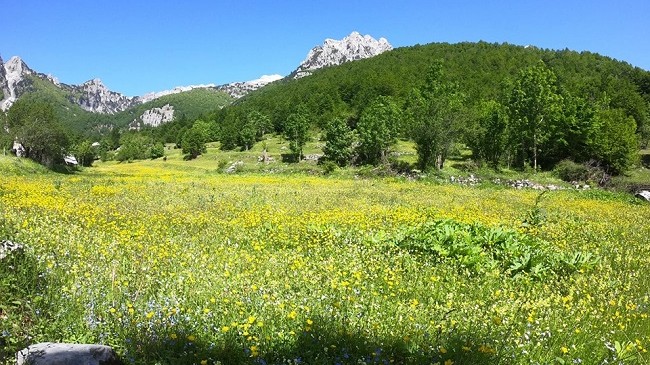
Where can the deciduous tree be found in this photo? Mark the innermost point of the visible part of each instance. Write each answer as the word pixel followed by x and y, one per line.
pixel 534 106
pixel 378 129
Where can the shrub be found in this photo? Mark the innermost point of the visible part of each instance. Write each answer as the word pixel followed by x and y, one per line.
pixel 568 170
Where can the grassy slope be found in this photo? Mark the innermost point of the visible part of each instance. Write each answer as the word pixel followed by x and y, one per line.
pixel 191 103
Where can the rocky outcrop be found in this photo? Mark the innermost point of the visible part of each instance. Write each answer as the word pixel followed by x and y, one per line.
pixel 154 117
pixel 48 353
pixel 93 96
pixel 334 52
pixel 13 81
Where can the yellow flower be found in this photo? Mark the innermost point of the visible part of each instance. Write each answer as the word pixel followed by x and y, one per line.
pixel 225 329
pixel 254 351
pixel 191 338
pixel 150 315
pixel 310 322
pixel 292 315
pixel 449 362
pixel 251 319
pixel 564 350
pixel 112 310
pixel 443 350
pixel 204 362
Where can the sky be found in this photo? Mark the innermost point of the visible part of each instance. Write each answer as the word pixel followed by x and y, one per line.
pixel 136 47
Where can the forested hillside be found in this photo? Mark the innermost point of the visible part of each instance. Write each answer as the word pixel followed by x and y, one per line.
pixel 482 71
pixel 589 99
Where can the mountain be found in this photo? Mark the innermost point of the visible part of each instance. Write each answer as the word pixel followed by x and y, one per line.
pixel 239 89
pixel 335 52
pixel 234 89
pixel 94 97
pixel 92 103
pixel 481 70
pixel 13 81
pixel 17 79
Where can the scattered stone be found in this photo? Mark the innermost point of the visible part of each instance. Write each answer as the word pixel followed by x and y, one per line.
pixel 470 180
pixel 233 168
pixel 313 157
pixel 643 194
pixel 49 353
pixel 10 248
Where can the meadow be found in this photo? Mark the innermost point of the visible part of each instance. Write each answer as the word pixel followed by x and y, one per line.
pixel 174 262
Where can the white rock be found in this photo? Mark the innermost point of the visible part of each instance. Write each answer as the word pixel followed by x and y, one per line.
pixel 643 194
pixel 48 353
pixel 333 52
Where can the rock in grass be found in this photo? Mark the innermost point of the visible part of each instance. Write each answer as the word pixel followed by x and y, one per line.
pixel 643 194
pixel 48 353
pixel 10 248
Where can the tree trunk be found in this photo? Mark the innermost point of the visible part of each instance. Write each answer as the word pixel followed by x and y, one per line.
pixel 535 152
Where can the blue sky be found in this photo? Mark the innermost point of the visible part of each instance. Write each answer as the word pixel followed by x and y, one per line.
pixel 137 47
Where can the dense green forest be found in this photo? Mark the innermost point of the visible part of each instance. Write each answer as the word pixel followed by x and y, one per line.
pixel 589 104
pixel 512 106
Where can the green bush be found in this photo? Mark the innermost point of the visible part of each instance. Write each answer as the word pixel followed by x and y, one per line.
pixel 568 170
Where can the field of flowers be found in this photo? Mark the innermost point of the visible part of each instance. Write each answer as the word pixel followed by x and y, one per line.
pixel 172 266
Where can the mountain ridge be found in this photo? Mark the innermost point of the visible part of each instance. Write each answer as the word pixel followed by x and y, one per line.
pixel 93 96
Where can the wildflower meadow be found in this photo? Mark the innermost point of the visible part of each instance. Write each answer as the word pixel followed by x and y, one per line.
pixel 174 265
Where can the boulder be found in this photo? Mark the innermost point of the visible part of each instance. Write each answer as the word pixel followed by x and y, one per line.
pixel 48 353
pixel 643 194
pixel 10 248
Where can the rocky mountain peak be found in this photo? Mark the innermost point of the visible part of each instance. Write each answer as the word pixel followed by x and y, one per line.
pixel 94 96
pixel 12 80
pixel 335 52
pixel 17 66
pixel 96 83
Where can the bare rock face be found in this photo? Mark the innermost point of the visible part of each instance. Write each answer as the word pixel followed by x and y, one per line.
pixel 154 117
pixel 13 81
pixel 93 96
pixel 48 353
pixel 334 52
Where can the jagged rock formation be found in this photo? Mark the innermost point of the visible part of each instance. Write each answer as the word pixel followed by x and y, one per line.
pixel 154 117
pixel 13 81
pixel 333 52
pixel 93 96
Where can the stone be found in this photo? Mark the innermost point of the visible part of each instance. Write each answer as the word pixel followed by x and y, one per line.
pixel 49 353
pixel 10 248
pixel 234 167
pixel 643 194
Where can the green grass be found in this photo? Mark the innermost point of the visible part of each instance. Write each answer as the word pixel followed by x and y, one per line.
pixel 176 262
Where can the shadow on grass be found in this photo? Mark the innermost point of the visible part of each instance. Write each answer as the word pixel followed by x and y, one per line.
pixel 325 342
